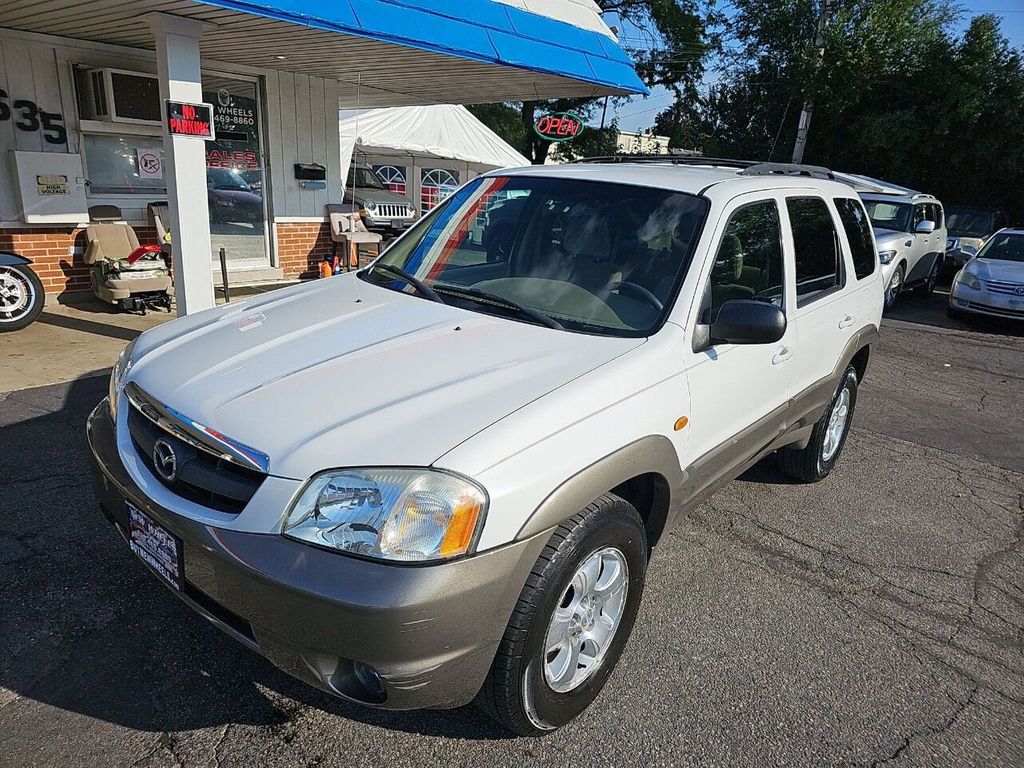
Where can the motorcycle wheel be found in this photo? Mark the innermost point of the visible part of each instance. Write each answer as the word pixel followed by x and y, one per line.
pixel 21 297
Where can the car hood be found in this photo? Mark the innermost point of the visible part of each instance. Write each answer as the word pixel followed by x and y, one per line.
pixel 365 195
pixel 340 373
pixel 997 269
pixel 889 239
pixel 237 196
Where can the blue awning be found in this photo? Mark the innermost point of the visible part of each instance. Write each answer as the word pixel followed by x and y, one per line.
pixel 476 30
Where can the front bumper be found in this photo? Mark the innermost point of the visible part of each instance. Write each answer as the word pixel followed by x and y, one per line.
pixel 431 631
pixel 390 226
pixel 984 302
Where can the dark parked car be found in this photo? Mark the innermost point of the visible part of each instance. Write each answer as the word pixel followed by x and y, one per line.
pixel 231 198
pixel 967 230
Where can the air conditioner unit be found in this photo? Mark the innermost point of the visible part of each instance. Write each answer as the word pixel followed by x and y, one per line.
pixel 120 96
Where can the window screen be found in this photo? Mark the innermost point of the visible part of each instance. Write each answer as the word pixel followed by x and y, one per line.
pixel 748 264
pixel 819 263
pixel 858 232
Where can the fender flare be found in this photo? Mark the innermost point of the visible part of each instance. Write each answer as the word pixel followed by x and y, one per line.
pixel 654 454
pixel 8 259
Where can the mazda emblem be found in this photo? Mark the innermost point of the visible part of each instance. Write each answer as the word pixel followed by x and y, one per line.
pixel 164 460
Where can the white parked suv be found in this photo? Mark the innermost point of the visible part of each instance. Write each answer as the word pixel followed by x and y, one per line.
pixel 910 232
pixel 441 478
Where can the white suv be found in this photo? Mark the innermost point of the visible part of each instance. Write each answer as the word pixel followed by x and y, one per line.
pixel 441 478
pixel 910 232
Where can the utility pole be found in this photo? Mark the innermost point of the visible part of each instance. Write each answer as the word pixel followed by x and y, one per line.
pixel 804 126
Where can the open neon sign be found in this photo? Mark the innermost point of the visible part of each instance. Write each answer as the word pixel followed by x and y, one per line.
pixel 560 126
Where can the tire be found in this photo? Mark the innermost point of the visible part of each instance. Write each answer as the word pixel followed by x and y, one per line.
pixel 927 288
pixel 22 293
pixel 517 691
pixel 815 462
pixel 955 314
pixel 892 291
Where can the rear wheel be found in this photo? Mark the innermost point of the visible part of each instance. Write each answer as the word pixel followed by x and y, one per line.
pixel 927 288
pixel 571 622
pixel 21 297
pixel 815 462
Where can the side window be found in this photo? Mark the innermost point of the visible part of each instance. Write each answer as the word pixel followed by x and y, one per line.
pixel 748 264
pixel 819 262
pixel 936 215
pixel 858 232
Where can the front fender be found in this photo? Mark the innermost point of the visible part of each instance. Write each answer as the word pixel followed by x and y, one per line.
pixel 8 259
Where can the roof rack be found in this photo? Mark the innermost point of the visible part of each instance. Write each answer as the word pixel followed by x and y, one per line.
pixel 746 167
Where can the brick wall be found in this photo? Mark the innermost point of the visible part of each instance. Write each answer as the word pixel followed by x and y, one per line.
pixel 56 254
pixel 301 246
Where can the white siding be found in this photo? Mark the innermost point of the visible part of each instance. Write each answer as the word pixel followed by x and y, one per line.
pixel 299 119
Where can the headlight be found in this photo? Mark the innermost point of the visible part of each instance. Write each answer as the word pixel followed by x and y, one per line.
pixel 389 514
pixel 966 278
pixel 370 205
pixel 117 376
pixel 951 244
pixel 886 256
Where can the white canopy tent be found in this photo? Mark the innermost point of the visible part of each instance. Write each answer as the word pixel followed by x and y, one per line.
pixel 419 149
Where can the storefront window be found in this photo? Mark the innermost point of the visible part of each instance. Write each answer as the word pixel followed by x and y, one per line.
pixel 235 172
pixel 124 165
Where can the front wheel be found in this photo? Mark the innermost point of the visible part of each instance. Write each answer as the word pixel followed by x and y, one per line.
pixel 572 620
pixel 893 289
pixel 814 462
pixel 21 297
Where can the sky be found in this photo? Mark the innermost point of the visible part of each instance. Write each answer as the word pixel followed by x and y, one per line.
pixel 639 113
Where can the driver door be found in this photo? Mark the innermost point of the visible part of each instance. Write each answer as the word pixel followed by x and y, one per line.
pixel 739 392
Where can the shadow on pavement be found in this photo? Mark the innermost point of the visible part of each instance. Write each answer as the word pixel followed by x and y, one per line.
pixel 88 326
pixel 86 628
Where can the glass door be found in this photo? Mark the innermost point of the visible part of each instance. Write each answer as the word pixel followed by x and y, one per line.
pixel 235 173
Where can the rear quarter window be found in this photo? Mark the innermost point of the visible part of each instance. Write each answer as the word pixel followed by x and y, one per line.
pixel 858 233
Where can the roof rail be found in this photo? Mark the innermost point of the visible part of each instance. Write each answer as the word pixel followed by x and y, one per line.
pixel 746 167
pixel 788 169
pixel 668 160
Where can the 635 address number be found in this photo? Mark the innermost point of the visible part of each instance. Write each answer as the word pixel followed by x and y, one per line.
pixel 29 117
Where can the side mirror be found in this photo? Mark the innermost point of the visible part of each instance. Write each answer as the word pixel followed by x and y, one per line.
pixel 925 227
pixel 744 321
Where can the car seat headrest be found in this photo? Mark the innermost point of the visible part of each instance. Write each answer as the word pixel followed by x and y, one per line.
pixel 586 234
pixel 104 213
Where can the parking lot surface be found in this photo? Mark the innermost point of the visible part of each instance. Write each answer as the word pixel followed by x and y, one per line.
pixel 875 618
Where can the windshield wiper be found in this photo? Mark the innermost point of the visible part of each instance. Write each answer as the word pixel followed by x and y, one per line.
pixel 501 301
pixel 421 288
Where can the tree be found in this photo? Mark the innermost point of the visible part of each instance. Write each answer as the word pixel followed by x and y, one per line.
pixel 668 50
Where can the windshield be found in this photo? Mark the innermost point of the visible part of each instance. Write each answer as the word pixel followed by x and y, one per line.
pixel 962 223
pixel 223 179
pixel 587 256
pixel 363 178
pixel 1005 246
pixel 885 214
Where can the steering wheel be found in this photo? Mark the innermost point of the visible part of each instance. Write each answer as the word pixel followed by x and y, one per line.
pixel 641 293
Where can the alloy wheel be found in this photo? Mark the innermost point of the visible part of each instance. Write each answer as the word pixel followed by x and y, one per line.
pixel 585 620
pixel 836 425
pixel 17 295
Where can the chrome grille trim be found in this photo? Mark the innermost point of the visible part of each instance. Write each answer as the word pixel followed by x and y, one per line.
pixel 195 434
pixel 1005 286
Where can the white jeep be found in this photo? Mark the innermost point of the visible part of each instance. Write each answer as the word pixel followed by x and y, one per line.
pixel 441 478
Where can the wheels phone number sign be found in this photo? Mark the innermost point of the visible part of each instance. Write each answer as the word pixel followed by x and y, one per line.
pixel 192 120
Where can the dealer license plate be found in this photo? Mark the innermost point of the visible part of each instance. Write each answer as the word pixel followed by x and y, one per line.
pixel 155 545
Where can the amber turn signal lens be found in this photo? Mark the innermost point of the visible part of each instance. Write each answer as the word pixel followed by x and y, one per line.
pixel 681 422
pixel 460 530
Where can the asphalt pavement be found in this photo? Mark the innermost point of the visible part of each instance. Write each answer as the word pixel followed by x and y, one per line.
pixel 875 618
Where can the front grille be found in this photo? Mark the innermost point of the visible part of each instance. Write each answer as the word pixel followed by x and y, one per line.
pixel 1005 311
pixel 1005 286
pixel 391 211
pixel 201 477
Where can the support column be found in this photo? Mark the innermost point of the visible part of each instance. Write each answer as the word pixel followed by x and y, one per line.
pixel 177 56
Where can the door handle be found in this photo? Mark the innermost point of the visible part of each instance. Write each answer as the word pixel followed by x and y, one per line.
pixel 846 322
pixel 782 356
